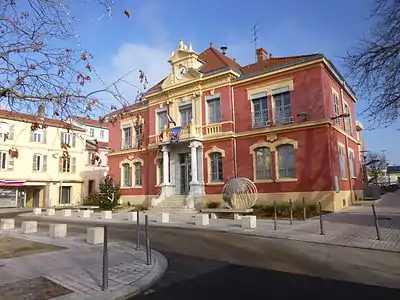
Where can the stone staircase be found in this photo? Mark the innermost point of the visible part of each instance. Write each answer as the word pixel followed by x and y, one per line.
pixel 175 203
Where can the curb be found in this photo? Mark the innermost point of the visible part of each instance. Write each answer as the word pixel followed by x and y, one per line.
pixel 183 227
pixel 160 265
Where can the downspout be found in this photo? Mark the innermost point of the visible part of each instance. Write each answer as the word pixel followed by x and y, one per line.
pixel 234 133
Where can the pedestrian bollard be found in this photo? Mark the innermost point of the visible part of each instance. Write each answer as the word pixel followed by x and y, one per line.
pixel 275 217
pixel 105 261
pixel 148 250
pixel 321 224
pixel 304 210
pixel 291 211
pixel 378 234
pixel 137 231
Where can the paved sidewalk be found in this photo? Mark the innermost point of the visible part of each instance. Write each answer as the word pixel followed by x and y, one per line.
pixel 79 267
pixel 353 227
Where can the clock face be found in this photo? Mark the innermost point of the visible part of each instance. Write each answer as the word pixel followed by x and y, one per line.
pixel 181 72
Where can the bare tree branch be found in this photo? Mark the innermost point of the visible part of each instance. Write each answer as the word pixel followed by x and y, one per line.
pixel 374 64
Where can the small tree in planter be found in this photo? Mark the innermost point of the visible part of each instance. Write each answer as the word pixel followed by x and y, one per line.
pixel 107 197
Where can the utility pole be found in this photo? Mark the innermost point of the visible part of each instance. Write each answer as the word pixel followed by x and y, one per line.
pixel 255 31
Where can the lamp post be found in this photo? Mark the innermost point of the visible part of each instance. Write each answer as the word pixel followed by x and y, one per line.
pixel 342 116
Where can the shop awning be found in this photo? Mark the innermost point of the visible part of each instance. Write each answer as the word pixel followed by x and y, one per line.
pixel 11 183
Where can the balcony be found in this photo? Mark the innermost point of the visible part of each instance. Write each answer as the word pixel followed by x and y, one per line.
pixel 187 132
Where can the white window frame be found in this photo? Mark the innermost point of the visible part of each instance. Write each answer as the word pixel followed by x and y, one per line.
pixel 342 168
pixel 68 165
pixel 39 162
pixel 134 181
pixel 67 138
pixel 336 106
pixel 212 98
pixel 159 112
pixel 91 132
pixel 123 181
pixel 102 133
pixel 38 136
pixel 347 120
pixel 3 160
pixel 352 163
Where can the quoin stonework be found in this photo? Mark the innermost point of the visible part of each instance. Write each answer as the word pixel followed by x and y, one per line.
pixel 286 123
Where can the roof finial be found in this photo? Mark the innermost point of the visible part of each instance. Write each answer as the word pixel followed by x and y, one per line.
pixel 181 45
pixel 190 47
pixel 211 44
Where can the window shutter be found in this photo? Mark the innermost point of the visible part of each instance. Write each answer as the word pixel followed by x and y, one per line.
pixel 11 132
pixel 60 164
pixel 44 136
pixel 31 138
pixel 34 162
pixel 73 164
pixel 73 140
pixel 10 164
pixel 62 137
pixel 44 168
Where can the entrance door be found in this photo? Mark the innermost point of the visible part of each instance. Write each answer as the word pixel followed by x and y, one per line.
pixel 90 187
pixel 35 198
pixel 185 173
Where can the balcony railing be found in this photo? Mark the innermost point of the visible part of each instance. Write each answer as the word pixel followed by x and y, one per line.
pixel 283 114
pixel 260 118
pixel 213 129
pixel 187 132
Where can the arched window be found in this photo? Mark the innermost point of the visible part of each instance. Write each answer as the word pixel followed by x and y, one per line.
pixel 263 163
pixel 216 166
pixel 286 161
pixel 138 174
pixel 126 175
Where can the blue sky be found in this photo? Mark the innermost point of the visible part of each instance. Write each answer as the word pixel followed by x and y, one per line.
pixel 287 27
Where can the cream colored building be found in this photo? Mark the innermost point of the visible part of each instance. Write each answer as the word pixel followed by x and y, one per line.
pixel 33 170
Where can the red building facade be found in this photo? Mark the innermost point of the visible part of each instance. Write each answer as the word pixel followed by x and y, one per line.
pixel 286 123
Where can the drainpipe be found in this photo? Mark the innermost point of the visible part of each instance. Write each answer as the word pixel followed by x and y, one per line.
pixel 234 132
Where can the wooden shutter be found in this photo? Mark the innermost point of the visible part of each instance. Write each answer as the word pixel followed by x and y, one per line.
pixel 44 136
pixel 31 138
pixel 44 168
pixel 73 136
pixel 11 132
pixel 60 164
pixel 73 164
pixel 34 162
pixel 62 137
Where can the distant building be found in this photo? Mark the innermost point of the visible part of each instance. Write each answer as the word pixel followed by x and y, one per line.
pixel 33 170
pixel 286 123
pixel 96 163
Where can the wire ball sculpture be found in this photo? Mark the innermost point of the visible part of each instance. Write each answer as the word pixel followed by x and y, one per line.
pixel 240 193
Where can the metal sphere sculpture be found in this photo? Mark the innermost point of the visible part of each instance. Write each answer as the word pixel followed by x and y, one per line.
pixel 240 193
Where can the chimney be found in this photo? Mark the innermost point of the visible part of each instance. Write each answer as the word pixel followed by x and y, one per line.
pixel 41 110
pixel 262 54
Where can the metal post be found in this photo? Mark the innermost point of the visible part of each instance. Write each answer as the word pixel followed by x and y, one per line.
pixel 378 234
pixel 275 218
pixel 304 210
pixel 148 250
pixel 137 231
pixel 291 211
pixel 321 224
pixel 105 261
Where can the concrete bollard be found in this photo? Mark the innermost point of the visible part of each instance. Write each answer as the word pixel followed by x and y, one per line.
pixel 249 222
pixel 213 216
pixel 95 235
pixel 66 212
pixel 57 230
pixel 29 227
pixel 202 220
pixel 37 211
pixel 237 217
pixel 91 211
pixel 132 216
pixel 6 224
pixel 50 212
pixel 107 215
pixel 164 217
pixel 85 214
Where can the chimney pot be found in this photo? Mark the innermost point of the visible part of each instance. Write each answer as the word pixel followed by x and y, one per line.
pixel 262 54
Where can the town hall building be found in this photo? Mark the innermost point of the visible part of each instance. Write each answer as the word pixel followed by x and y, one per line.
pixel 286 123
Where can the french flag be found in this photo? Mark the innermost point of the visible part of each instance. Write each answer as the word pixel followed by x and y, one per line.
pixel 170 120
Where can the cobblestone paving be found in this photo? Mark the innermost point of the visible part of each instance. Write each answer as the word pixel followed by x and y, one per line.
pixel 79 267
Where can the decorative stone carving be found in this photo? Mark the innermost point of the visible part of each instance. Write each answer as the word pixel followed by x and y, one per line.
pixel 271 137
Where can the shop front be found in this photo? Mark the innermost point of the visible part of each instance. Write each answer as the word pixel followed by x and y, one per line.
pixel 12 194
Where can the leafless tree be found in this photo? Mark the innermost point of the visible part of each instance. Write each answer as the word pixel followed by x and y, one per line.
pixel 374 64
pixel 39 68
pixel 376 165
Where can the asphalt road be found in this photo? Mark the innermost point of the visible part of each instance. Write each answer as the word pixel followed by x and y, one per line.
pixel 205 264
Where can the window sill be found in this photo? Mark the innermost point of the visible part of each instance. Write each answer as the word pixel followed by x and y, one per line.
pixel 137 187
pixel 215 183
pixel 343 178
pixel 125 187
pixel 263 181
pixel 286 180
